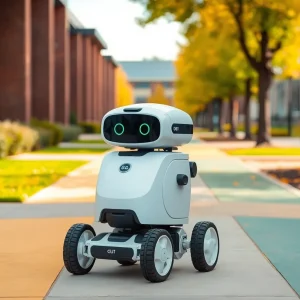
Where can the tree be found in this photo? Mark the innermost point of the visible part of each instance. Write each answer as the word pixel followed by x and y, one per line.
pixel 213 77
pixel 190 93
pixel 123 89
pixel 158 95
pixel 248 78
pixel 261 27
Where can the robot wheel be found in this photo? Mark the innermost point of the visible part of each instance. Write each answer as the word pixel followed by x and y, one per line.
pixel 157 255
pixel 155 248
pixel 205 246
pixel 75 260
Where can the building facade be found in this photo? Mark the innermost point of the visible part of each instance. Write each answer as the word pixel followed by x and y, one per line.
pixel 145 76
pixel 51 66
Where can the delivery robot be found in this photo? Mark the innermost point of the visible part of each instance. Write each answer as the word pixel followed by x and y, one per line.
pixel 144 193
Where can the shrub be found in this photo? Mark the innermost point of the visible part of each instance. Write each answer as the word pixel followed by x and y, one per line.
pixel 3 145
pixel 89 127
pixel 56 132
pixel 70 132
pixel 45 138
pixel 16 138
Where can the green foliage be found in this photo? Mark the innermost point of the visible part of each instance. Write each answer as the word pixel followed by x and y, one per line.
pixel 179 11
pixel 70 132
pixel 16 138
pixel 89 127
pixel 56 134
pixel 45 137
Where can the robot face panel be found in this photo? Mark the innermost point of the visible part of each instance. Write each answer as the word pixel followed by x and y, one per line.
pixel 131 128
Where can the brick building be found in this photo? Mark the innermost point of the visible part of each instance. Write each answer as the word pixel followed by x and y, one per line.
pixel 50 65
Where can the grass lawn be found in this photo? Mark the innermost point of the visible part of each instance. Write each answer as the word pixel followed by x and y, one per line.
pixel 20 179
pixel 264 151
pixel 57 150
pixel 88 142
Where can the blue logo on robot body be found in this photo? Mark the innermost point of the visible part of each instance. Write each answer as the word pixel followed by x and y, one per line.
pixel 125 168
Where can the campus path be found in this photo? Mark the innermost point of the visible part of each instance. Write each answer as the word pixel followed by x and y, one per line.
pixel 257 221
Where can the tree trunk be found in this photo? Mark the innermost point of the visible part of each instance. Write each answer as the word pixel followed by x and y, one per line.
pixel 248 135
pixel 264 124
pixel 221 116
pixel 234 114
pixel 210 112
pixel 290 107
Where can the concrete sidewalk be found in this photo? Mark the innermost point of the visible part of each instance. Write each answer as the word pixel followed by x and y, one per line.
pixel 268 209
pixel 243 272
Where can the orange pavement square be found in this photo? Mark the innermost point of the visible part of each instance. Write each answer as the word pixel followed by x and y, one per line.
pixel 31 254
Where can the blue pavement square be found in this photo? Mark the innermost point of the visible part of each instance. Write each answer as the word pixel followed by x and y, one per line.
pixel 279 240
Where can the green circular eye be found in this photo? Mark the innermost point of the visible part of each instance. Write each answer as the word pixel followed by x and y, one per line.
pixel 144 129
pixel 119 129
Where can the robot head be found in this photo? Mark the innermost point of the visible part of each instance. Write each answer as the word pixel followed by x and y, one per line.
pixel 147 125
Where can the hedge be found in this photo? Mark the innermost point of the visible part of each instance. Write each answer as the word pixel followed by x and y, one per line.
pixel 89 127
pixel 51 134
pixel 16 138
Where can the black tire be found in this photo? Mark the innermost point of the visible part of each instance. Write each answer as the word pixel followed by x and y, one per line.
pixel 147 255
pixel 197 246
pixel 126 262
pixel 70 249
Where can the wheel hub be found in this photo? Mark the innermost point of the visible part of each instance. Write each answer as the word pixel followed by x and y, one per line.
pixel 210 246
pixel 83 260
pixel 164 255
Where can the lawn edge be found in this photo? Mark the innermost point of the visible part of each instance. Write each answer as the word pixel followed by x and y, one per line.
pixel 15 200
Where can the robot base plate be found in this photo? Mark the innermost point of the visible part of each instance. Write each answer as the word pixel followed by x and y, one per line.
pixel 125 246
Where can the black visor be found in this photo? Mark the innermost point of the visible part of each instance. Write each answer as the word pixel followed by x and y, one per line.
pixel 131 128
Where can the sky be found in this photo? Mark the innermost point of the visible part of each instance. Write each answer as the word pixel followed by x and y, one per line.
pixel 126 40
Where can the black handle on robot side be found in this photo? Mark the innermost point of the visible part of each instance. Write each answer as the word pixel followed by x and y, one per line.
pixel 182 179
pixel 193 169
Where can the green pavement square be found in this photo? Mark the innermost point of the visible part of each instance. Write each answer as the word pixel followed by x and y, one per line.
pixel 231 181
pixel 279 240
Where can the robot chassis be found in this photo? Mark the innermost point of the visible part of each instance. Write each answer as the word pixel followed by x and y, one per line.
pixel 145 230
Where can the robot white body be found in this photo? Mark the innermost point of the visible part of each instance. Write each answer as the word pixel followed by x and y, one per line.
pixel 145 196
pixel 148 188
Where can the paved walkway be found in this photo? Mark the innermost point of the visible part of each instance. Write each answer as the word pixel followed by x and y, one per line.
pixel 270 214
pixel 31 257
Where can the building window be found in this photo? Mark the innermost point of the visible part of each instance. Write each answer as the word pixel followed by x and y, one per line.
pixel 167 84
pixel 146 85
pixel 141 85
